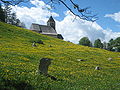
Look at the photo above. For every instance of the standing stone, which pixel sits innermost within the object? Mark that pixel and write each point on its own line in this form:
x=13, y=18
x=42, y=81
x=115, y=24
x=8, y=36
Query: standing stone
x=43, y=65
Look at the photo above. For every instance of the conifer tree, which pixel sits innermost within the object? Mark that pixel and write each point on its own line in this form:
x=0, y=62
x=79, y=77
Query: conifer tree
x=2, y=14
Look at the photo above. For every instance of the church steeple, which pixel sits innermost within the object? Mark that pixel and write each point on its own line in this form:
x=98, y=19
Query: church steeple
x=51, y=22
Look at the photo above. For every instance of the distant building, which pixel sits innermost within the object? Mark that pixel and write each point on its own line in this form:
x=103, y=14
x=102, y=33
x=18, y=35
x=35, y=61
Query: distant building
x=48, y=29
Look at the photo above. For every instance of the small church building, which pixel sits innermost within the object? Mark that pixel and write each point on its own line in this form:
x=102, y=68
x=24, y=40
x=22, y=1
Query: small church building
x=48, y=29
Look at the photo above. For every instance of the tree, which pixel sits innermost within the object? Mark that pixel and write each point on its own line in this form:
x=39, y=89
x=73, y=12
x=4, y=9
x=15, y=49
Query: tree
x=13, y=19
x=118, y=49
x=98, y=44
x=85, y=41
x=105, y=45
x=110, y=45
x=2, y=14
x=117, y=44
x=75, y=9
x=7, y=10
x=18, y=23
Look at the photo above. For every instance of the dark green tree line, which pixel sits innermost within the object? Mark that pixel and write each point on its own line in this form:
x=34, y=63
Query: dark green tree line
x=112, y=45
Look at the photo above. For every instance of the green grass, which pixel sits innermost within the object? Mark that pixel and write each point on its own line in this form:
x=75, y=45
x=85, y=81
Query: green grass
x=19, y=63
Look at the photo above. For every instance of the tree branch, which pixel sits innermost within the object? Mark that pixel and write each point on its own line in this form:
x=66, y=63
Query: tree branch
x=81, y=13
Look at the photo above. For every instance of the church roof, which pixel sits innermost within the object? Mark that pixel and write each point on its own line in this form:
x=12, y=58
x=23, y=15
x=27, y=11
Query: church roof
x=51, y=19
x=43, y=29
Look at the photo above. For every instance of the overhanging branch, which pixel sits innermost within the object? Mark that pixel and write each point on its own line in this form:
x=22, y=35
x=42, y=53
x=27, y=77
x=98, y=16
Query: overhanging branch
x=81, y=13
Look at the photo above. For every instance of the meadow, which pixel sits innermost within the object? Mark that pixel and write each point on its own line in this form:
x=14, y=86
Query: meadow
x=19, y=62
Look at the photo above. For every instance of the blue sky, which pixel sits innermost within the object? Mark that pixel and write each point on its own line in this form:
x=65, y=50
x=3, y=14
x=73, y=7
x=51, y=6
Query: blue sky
x=105, y=28
x=100, y=7
x=103, y=7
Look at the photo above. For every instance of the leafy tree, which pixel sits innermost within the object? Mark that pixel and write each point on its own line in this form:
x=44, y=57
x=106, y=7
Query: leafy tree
x=110, y=45
x=18, y=23
x=74, y=8
x=7, y=9
x=13, y=19
x=118, y=49
x=85, y=41
x=117, y=44
x=98, y=44
x=2, y=14
x=105, y=45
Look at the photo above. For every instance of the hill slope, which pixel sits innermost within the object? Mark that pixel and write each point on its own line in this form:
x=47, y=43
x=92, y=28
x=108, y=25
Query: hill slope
x=19, y=63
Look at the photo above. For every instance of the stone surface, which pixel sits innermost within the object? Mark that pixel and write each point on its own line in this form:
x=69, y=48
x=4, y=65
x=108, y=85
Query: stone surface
x=80, y=60
x=52, y=77
x=43, y=65
x=50, y=45
x=34, y=45
x=109, y=58
x=97, y=68
x=40, y=42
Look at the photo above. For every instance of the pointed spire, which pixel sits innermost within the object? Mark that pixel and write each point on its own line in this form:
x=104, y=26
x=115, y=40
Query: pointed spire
x=51, y=22
x=51, y=19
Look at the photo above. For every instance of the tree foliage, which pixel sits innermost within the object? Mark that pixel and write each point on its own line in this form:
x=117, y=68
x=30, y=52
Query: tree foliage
x=7, y=16
x=2, y=14
x=110, y=45
x=85, y=41
x=114, y=45
x=98, y=44
x=117, y=41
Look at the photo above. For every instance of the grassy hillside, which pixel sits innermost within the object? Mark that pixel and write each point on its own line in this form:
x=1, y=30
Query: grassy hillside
x=19, y=63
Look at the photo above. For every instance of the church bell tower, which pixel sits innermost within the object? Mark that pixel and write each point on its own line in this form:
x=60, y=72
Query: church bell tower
x=51, y=22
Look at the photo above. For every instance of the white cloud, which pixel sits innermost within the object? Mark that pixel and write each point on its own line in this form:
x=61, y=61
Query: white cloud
x=71, y=30
x=38, y=14
x=115, y=16
x=109, y=34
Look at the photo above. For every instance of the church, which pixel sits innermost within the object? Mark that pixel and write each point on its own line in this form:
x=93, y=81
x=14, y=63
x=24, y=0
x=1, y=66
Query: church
x=48, y=29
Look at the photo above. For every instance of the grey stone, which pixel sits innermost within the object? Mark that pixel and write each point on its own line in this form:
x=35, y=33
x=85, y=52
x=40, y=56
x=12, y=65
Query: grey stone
x=109, y=59
x=40, y=42
x=50, y=45
x=80, y=60
x=43, y=65
x=52, y=77
x=97, y=68
x=34, y=45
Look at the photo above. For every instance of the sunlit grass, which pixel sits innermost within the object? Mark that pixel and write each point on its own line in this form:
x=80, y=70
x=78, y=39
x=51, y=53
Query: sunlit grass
x=19, y=63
